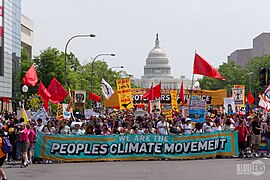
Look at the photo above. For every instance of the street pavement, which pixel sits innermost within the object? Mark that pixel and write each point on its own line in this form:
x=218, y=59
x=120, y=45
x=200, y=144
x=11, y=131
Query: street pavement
x=219, y=169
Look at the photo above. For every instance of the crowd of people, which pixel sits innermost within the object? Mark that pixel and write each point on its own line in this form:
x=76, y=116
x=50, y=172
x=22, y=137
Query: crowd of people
x=22, y=136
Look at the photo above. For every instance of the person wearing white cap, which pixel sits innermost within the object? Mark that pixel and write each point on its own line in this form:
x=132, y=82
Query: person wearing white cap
x=187, y=126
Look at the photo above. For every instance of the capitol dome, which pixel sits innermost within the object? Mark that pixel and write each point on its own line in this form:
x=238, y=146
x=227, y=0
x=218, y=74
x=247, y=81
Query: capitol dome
x=157, y=51
x=157, y=63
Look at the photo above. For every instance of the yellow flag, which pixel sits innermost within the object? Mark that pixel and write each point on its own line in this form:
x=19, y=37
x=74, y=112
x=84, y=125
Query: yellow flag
x=24, y=116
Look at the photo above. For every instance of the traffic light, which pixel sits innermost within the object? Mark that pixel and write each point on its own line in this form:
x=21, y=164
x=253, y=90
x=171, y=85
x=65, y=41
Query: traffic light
x=263, y=76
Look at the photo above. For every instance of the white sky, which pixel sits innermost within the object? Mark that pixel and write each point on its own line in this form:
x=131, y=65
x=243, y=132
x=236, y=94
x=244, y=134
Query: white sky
x=214, y=28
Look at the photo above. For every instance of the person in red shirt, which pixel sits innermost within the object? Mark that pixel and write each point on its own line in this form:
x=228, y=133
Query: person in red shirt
x=242, y=137
x=32, y=137
x=24, y=140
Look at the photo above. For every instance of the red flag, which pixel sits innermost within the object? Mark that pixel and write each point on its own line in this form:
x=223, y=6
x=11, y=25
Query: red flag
x=58, y=93
x=201, y=66
x=43, y=92
x=182, y=94
x=153, y=93
x=250, y=98
x=5, y=99
x=93, y=97
x=31, y=78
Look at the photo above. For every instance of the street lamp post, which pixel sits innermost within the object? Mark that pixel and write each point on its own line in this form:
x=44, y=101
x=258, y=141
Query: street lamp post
x=65, y=55
x=92, y=69
x=24, y=90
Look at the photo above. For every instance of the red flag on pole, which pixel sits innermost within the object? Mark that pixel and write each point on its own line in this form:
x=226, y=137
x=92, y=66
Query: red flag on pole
x=58, y=93
x=93, y=97
x=250, y=98
x=43, y=92
x=201, y=66
x=153, y=93
x=182, y=94
x=31, y=78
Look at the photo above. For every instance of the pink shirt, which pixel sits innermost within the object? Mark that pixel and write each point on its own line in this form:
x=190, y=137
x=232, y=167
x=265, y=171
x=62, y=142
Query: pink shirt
x=24, y=135
x=32, y=137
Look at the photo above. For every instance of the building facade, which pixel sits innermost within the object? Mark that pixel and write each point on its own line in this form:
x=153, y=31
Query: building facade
x=261, y=47
x=241, y=57
x=157, y=70
x=10, y=45
x=27, y=38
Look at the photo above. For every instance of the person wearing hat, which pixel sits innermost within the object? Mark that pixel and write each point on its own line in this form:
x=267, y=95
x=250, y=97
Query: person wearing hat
x=24, y=141
x=187, y=127
x=2, y=157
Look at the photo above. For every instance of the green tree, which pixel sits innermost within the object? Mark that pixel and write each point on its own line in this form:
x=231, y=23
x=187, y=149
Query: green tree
x=50, y=64
x=234, y=75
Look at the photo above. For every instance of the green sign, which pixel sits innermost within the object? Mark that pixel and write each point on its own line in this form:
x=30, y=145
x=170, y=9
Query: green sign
x=135, y=146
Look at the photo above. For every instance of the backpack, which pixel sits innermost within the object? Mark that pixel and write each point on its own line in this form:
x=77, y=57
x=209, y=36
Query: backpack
x=6, y=146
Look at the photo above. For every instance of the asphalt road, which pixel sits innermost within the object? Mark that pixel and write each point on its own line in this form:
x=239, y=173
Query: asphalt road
x=128, y=170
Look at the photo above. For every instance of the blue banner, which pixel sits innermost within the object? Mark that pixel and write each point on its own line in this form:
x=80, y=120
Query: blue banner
x=135, y=146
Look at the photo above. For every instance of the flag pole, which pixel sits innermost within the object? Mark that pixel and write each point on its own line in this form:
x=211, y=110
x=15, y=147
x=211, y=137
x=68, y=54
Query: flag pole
x=191, y=90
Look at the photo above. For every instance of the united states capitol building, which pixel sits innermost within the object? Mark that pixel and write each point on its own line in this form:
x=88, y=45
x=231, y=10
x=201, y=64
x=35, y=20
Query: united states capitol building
x=157, y=69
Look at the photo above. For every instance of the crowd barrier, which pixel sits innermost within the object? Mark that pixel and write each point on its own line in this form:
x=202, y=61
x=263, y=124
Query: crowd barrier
x=135, y=146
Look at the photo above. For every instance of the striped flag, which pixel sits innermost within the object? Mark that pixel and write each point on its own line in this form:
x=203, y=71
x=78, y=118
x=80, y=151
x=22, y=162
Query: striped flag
x=106, y=89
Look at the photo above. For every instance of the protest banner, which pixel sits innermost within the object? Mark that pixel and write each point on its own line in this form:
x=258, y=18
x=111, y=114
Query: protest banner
x=167, y=111
x=185, y=112
x=66, y=113
x=174, y=100
x=79, y=99
x=90, y=112
x=238, y=94
x=229, y=105
x=59, y=112
x=197, y=109
x=211, y=97
x=39, y=114
x=124, y=93
x=135, y=146
x=155, y=107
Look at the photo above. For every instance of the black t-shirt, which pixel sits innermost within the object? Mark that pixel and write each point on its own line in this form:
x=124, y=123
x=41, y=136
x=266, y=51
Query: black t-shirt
x=258, y=125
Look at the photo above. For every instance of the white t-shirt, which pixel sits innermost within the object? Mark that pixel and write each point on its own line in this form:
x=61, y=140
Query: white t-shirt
x=39, y=128
x=229, y=127
x=49, y=130
x=217, y=128
x=207, y=128
x=198, y=131
x=162, y=128
x=187, y=128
